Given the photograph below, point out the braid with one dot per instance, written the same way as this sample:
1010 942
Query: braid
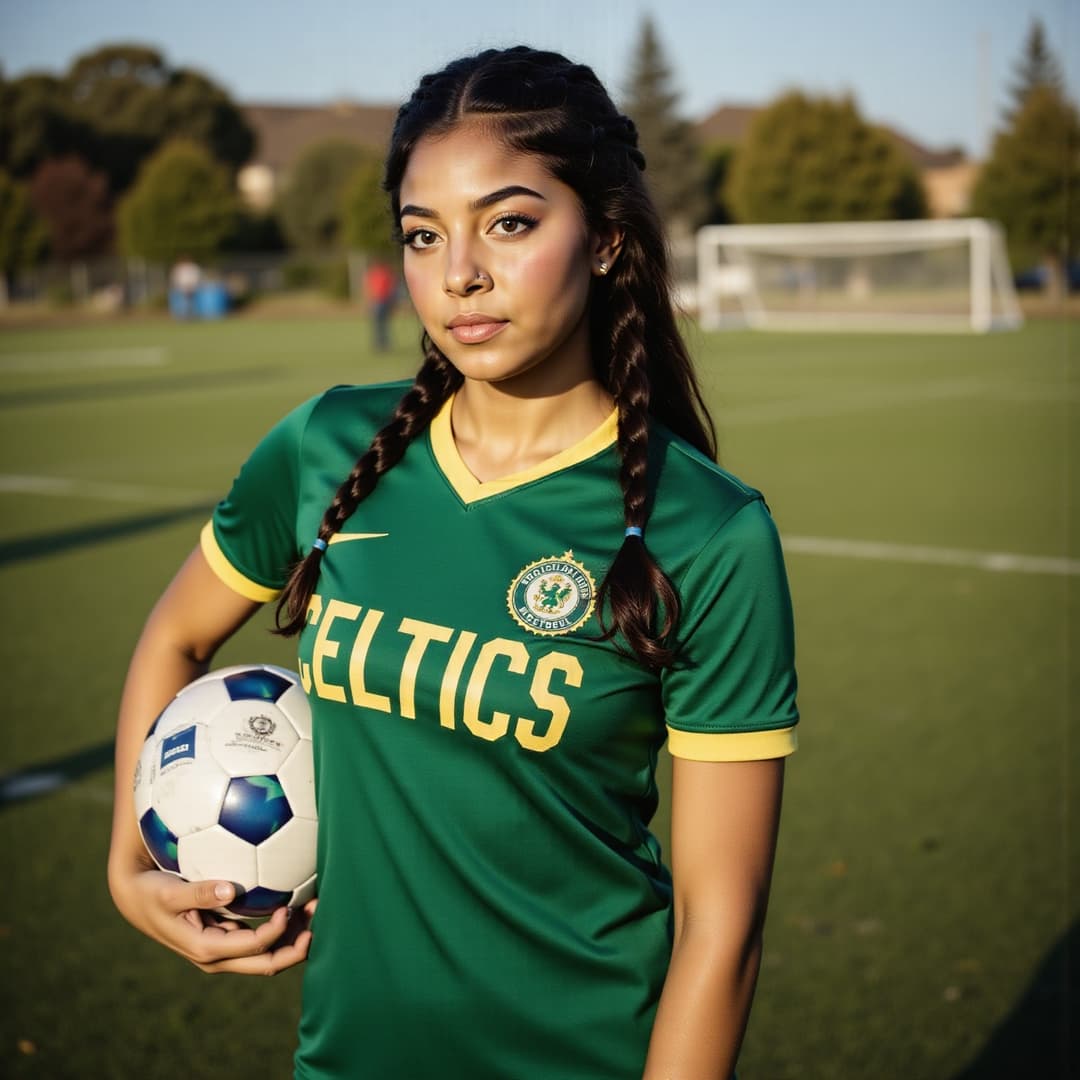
644 604
434 383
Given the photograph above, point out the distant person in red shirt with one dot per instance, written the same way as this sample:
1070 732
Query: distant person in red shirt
380 289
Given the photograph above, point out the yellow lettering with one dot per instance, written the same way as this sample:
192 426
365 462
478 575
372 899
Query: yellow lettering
540 692
314 610
518 657
325 649
452 676
360 694
423 633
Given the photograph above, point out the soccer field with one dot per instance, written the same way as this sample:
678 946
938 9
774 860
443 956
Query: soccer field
925 894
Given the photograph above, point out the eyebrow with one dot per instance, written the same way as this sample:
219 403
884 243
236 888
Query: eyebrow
477 204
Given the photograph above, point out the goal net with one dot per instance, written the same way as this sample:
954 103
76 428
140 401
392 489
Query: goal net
875 275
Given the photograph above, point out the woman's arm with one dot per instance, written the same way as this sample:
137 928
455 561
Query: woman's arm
194 616
724 819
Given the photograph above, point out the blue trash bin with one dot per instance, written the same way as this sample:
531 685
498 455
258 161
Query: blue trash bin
212 300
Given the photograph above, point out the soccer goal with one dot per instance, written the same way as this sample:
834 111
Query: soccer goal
872 275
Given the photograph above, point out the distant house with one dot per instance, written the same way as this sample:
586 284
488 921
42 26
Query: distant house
284 132
947 175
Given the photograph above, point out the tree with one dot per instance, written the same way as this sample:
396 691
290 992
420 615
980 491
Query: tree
197 108
134 102
182 204
1037 67
73 201
672 155
816 159
310 206
114 108
717 160
1030 183
366 222
22 235
37 124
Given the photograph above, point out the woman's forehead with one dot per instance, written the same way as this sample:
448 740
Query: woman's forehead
469 163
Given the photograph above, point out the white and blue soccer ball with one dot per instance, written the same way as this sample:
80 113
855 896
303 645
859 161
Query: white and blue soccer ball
225 787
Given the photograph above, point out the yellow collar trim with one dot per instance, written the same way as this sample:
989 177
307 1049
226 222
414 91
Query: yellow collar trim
470 490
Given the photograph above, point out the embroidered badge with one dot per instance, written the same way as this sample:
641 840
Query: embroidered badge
554 595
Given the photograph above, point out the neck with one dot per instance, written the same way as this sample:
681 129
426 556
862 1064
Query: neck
499 432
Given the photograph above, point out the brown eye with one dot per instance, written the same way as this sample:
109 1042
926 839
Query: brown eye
420 239
514 225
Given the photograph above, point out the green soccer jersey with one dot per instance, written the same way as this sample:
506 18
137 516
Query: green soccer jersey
491 901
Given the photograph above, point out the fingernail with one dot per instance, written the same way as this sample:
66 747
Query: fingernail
223 892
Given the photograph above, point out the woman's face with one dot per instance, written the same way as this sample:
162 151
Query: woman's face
498 261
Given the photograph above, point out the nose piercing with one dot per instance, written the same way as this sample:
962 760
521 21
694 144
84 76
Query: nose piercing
481 276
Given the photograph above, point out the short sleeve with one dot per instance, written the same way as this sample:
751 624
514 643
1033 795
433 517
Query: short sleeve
250 542
731 695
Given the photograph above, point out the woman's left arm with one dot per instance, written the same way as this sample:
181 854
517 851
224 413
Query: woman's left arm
724 820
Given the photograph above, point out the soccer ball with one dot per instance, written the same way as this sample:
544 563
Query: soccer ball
225 787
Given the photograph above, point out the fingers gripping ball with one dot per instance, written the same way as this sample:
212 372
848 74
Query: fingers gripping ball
225 787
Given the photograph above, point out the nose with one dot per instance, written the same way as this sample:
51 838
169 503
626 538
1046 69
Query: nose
464 276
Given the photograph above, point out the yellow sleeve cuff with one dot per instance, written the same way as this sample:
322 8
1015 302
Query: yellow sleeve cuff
732 745
228 573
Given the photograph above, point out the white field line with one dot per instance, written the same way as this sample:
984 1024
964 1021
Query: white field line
70 487
20 363
1001 562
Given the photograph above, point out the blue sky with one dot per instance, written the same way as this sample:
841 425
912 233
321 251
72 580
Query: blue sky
936 69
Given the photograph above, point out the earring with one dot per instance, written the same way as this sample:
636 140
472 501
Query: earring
603 268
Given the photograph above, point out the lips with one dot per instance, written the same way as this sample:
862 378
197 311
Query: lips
475 327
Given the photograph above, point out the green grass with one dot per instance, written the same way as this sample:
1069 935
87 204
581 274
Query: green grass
925 886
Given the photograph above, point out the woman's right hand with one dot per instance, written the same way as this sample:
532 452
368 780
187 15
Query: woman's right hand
180 915
196 613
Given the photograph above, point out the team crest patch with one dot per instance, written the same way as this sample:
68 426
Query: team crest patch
554 595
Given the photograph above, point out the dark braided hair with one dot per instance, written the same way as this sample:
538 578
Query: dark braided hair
543 104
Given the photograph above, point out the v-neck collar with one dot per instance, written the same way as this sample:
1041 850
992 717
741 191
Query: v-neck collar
471 490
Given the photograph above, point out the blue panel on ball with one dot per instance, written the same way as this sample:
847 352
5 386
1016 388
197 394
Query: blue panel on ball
257 902
159 840
255 808
256 685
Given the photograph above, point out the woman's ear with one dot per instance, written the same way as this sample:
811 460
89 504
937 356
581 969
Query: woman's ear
604 249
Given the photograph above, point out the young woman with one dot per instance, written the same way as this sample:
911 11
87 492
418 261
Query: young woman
512 579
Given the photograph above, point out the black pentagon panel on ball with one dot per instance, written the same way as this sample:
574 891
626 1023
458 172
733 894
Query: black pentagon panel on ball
255 808
256 903
256 684
160 841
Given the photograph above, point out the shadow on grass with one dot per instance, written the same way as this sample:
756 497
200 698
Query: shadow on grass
1038 1037
52 543
121 388
39 780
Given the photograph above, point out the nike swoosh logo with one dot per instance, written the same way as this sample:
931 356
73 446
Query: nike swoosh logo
340 538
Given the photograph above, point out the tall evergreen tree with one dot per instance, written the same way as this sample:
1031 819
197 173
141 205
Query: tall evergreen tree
1037 67
674 169
1030 184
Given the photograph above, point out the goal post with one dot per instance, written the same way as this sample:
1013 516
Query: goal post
871 275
